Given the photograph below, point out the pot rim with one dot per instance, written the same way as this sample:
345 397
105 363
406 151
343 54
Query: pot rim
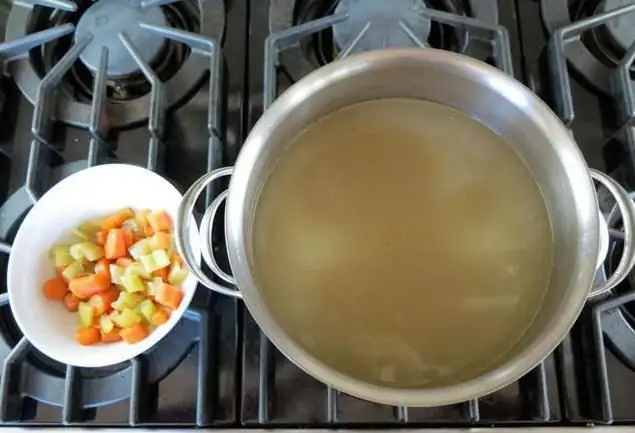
486 383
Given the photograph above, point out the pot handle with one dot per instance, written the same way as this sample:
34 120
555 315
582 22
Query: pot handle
627 210
182 230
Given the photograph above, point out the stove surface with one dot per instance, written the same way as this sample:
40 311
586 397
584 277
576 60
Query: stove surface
164 98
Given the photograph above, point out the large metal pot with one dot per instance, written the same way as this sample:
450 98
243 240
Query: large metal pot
499 101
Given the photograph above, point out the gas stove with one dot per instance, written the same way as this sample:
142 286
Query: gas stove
176 85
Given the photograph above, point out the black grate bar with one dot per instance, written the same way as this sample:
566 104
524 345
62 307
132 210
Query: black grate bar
137 391
65 5
19 48
331 405
206 372
558 62
97 111
10 401
473 410
266 378
401 414
71 395
534 386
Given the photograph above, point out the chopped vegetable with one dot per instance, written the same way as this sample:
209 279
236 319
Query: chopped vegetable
158 259
117 219
106 324
126 318
115 245
109 337
159 221
62 256
101 237
116 272
101 302
103 267
160 317
177 273
140 249
55 289
162 273
160 241
168 295
134 333
71 302
124 262
132 283
152 285
128 236
147 309
74 270
127 300
87 336
137 269
85 315
85 287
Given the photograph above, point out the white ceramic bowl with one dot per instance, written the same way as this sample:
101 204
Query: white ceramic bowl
87 194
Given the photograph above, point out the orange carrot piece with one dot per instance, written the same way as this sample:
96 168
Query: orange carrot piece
134 334
124 262
160 317
85 287
115 246
101 236
162 273
128 236
102 302
160 221
168 296
103 267
55 289
71 302
112 336
87 336
116 220
141 217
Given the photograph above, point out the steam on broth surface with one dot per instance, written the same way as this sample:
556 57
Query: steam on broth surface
403 243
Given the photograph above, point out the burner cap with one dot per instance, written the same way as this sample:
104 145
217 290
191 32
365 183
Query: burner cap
385 19
622 29
106 20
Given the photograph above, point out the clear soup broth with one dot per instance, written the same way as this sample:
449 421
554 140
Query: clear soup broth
403 243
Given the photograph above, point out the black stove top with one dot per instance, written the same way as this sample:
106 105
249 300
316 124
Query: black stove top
184 110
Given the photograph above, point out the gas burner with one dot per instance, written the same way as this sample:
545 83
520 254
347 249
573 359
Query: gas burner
400 23
378 25
105 22
597 52
127 88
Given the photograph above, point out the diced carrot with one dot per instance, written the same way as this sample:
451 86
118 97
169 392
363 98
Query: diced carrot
85 287
128 236
141 217
124 262
168 296
102 302
109 337
103 267
101 236
115 246
55 289
160 317
116 220
71 302
162 273
176 259
134 334
160 221
87 336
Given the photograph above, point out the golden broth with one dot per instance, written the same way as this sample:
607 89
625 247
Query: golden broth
403 243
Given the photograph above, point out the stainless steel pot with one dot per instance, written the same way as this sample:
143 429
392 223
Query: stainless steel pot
500 102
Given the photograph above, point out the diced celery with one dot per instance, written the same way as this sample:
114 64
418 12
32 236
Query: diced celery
141 248
74 270
62 257
148 263
161 258
85 315
147 309
126 318
116 272
88 250
138 269
60 247
91 227
160 241
106 324
177 274
132 283
83 234
127 300
153 285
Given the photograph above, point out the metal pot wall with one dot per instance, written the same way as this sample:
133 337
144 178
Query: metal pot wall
494 98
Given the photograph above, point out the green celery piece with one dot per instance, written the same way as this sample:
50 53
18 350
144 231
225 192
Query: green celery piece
116 272
87 250
153 285
74 270
63 258
141 248
127 300
177 275
132 283
137 268
106 324
148 263
147 309
85 315
60 247
126 318
83 234
161 259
